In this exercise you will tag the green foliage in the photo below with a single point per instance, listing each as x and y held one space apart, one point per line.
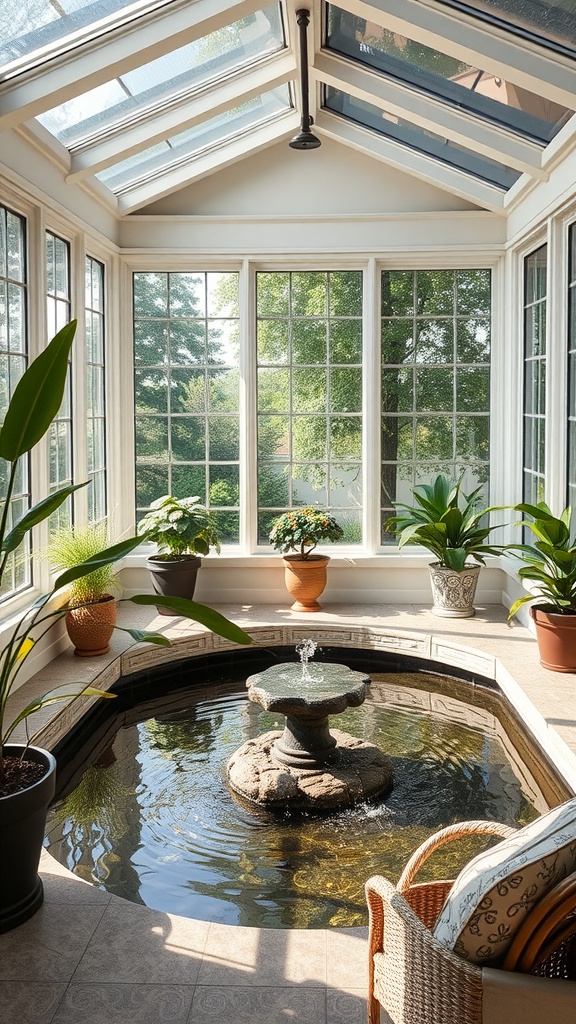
180 526
72 545
302 529
35 402
550 560
446 521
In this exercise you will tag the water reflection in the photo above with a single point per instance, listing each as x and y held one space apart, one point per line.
157 824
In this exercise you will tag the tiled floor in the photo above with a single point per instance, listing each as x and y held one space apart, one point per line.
90 957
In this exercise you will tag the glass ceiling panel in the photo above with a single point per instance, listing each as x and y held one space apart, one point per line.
439 75
188 145
167 80
551 22
416 138
30 25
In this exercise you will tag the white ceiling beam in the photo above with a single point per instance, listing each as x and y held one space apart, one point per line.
125 140
98 61
216 159
430 114
409 161
478 43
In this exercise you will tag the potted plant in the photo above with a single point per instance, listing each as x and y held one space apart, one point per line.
454 528
27 773
550 563
300 530
91 606
183 529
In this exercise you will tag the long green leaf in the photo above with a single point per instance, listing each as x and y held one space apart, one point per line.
106 557
69 691
208 617
36 515
142 636
37 397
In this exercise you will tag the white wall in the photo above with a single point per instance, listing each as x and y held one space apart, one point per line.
41 176
331 180
332 199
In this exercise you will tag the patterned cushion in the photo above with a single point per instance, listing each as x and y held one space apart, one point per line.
491 896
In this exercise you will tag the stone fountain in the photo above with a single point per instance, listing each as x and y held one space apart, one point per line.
307 766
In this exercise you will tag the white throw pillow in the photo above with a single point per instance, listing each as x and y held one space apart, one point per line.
492 895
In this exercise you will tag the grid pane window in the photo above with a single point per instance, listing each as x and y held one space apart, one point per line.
533 475
309 331
187 392
60 433
13 360
435 380
572 370
95 390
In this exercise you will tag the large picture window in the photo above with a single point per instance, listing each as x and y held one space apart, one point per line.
60 433
95 390
13 358
533 478
435 380
187 391
309 332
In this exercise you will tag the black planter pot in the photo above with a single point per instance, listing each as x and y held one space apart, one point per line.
22 824
174 577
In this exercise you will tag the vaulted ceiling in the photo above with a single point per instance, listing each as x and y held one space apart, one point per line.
139 99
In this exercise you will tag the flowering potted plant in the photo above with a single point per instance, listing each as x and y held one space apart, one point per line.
183 529
27 773
299 531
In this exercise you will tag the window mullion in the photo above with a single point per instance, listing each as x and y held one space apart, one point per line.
371 398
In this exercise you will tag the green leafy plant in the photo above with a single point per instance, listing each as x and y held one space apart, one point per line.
550 560
302 529
451 524
34 404
74 544
179 526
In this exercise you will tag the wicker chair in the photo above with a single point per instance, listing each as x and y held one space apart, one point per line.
418 981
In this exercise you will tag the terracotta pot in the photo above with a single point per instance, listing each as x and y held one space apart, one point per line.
91 627
22 824
305 580
556 636
174 577
454 592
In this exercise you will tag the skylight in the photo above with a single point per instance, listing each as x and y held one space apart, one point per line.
409 135
188 145
168 80
31 28
550 22
440 75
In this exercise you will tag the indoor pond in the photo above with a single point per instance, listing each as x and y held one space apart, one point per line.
153 819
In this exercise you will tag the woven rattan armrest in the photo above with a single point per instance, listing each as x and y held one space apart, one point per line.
416 979
446 835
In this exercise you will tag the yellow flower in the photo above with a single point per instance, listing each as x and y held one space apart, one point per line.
25 648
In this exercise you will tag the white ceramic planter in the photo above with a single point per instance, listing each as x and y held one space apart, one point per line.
454 592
